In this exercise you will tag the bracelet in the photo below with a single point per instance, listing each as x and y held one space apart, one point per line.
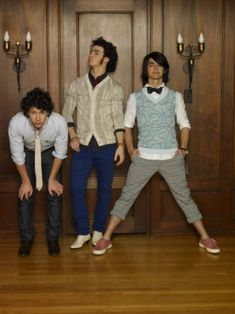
74 138
184 149
121 144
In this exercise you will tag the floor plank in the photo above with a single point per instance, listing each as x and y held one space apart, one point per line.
140 274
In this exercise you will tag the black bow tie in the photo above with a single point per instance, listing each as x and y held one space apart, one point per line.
156 90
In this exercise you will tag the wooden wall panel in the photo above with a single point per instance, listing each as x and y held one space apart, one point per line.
228 93
17 18
232 212
212 115
228 113
123 23
87 25
211 148
54 52
166 215
190 18
41 67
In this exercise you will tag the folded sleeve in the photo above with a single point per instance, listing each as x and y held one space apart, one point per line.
16 141
130 113
70 103
181 114
61 140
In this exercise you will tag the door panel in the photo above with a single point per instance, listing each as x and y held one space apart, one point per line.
123 23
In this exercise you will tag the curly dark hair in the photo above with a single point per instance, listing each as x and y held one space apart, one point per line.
110 51
38 98
161 60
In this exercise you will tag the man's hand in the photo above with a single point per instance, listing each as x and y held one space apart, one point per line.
119 155
75 144
25 191
134 152
54 187
181 151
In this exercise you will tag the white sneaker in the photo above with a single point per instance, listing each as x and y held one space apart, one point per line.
81 239
96 237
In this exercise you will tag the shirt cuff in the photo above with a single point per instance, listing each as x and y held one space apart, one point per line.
119 130
59 156
185 126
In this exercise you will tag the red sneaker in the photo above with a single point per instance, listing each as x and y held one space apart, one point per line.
102 246
210 245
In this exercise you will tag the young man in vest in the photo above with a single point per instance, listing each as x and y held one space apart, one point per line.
38 143
156 108
98 139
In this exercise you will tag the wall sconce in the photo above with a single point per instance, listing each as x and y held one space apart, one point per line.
18 52
190 53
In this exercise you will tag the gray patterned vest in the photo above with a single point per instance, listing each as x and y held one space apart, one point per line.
156 121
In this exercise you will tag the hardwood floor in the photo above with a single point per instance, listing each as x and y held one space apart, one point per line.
140 274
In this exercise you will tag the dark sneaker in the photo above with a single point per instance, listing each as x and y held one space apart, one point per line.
25 248
53 248
210 245
102 246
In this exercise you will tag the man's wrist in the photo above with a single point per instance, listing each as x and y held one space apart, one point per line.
52 178
25 181
121 144
185 150
130 150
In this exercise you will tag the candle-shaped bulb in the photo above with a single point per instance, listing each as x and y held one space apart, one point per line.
6 36
6 42
180 45
179 39
28 37
201 43
201 39
28 42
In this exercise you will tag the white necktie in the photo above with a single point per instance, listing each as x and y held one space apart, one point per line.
37 162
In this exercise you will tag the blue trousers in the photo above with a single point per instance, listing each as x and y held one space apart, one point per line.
53 202
82 164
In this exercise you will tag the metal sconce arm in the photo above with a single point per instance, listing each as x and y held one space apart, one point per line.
190 53
17 52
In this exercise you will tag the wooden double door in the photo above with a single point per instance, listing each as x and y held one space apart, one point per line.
124 23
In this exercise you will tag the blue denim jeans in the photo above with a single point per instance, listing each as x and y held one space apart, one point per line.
53 202
82 163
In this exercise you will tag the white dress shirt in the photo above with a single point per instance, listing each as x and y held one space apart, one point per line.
181 119
54 133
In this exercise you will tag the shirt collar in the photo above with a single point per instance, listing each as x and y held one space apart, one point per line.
155 96
162 85
96 81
